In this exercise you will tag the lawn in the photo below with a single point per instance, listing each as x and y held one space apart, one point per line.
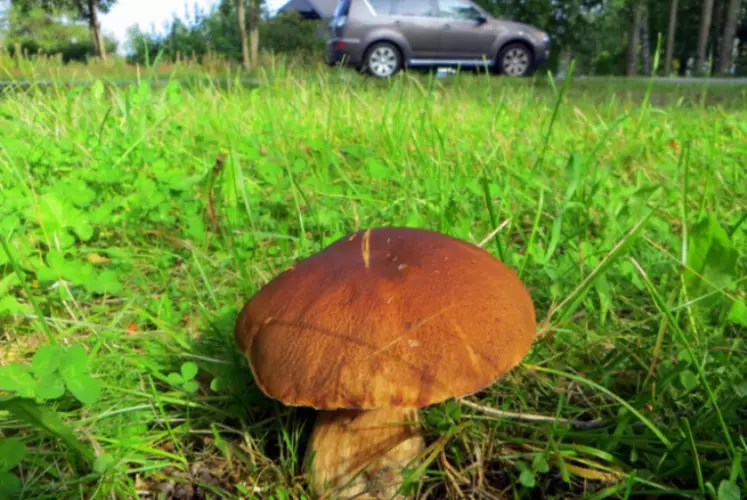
138 220
42 68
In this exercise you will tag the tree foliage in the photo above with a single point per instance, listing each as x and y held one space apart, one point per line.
595 32
217 32
84 10
80 8
33 30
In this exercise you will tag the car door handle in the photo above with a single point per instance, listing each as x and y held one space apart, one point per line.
447 26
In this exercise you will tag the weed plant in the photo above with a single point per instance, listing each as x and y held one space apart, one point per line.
135 222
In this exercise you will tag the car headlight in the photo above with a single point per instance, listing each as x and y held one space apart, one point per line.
544 37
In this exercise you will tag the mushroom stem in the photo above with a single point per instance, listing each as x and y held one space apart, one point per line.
361 453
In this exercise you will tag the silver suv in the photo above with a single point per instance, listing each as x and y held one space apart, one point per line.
383 36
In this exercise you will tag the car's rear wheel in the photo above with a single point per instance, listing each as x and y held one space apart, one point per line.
515 59
382 60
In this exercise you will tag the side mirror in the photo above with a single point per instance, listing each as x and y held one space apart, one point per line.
481 20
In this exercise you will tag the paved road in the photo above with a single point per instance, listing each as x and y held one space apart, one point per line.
21 84
677 80
711 82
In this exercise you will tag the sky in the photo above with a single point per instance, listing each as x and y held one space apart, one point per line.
147 13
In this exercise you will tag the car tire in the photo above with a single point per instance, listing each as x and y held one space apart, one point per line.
515 59
382 60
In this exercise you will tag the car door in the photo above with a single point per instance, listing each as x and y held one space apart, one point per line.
418 23
465 34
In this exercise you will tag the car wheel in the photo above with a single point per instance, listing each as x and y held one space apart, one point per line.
515 59
382 60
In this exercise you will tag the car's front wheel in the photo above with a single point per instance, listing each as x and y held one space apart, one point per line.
515 59
382 60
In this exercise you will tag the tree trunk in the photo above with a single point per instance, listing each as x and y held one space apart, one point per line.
564 61
727 43
705 23
717 24
633 37
241 14
645 41
670 37
254 32
93 23
684 58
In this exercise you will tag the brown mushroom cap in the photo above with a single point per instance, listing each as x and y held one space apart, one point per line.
386 317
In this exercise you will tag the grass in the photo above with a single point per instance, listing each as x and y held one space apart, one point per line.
42 69
137 221
49 68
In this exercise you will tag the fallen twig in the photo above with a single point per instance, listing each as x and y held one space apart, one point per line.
212 212
495 231
529 417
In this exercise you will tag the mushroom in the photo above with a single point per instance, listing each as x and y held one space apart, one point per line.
372 328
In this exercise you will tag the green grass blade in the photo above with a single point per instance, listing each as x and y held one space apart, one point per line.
569 305
663 309
581 380
43 418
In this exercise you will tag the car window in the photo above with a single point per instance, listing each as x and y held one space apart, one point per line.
457 9
383 7
422 8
